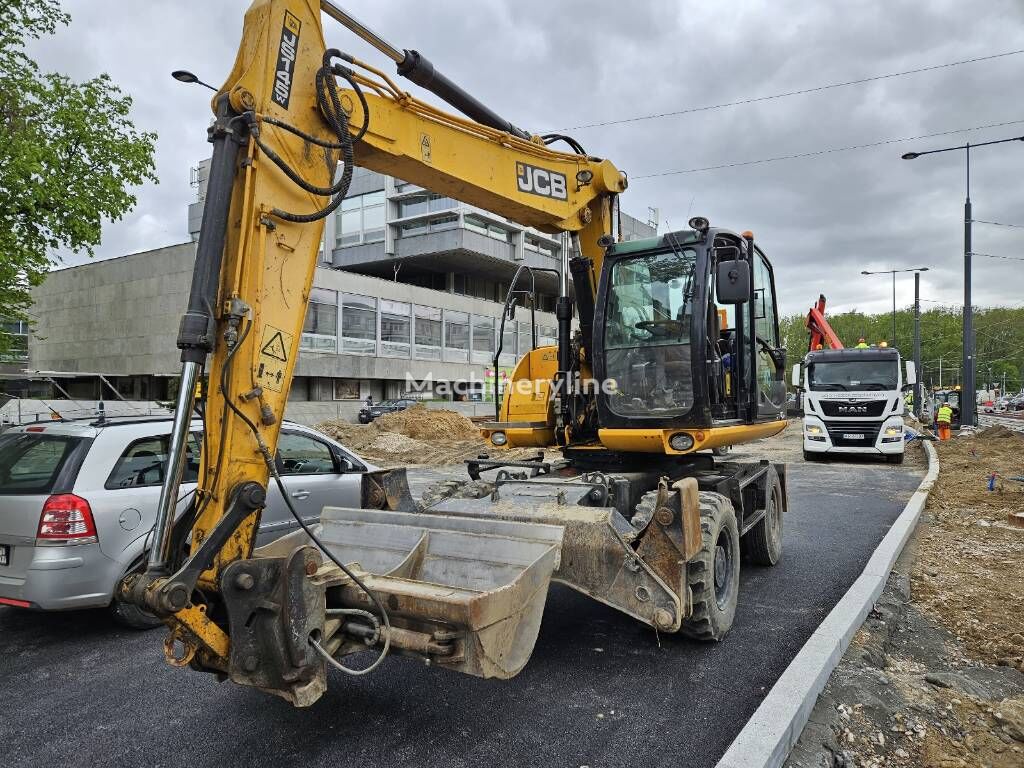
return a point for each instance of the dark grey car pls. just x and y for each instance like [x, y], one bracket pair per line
[78, 501]
[371, 412]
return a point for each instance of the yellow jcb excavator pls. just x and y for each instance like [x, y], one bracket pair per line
[674, 350]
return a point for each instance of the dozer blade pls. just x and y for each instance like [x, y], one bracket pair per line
[468, 593]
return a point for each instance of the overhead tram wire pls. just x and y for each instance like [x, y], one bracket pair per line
[786, 94]
[819, 152]
[997, 223]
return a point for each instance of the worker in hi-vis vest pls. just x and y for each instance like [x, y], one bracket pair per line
[944, 418]
[861, 344]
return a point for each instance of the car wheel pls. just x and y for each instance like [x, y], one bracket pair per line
[364, 419]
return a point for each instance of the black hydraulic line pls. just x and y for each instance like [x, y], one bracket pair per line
[418, 68]
[580, 267]
[196, 331]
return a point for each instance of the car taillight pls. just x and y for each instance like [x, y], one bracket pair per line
[66, 516]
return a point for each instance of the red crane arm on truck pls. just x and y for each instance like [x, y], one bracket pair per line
[820, 332]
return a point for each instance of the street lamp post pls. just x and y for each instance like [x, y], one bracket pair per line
[968, 404]
[893, 272]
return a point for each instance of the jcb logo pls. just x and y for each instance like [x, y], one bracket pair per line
[538, 181]
[285, 71]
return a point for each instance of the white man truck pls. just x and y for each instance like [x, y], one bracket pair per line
[853, 402]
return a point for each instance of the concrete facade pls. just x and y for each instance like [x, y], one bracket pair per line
[119, 317]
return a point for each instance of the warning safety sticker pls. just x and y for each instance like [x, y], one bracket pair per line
[273, 358]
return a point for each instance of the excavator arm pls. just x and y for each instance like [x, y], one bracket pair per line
[287, 115]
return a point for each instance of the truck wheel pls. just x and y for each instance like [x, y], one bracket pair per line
[895, 458]
[762, 544]
[812, 455]
[714, 573]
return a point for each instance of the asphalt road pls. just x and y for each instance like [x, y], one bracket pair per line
[600, 690]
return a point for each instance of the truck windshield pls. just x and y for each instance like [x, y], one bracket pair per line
[647, 334]
[853, 375]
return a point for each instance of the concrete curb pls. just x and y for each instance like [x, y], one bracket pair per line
[773, 729]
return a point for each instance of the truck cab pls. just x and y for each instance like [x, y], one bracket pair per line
[853, 402]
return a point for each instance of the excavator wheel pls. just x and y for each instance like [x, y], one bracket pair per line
[762, 544]
[714, 573]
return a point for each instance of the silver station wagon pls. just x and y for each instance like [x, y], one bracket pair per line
[78, 501]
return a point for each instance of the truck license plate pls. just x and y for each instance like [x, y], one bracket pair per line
[852, 436]
[5, 554]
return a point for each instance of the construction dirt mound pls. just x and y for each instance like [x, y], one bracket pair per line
[416, 436]
[970, 554]
[421, 423]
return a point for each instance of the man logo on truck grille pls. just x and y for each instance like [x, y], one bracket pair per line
[538, 181]
[282, 93]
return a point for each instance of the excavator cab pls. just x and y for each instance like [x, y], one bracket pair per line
[672, 349]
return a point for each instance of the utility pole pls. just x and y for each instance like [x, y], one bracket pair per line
[918, 394]
[940, 372]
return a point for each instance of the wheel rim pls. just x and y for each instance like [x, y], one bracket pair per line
[774, 513]
[724, 557]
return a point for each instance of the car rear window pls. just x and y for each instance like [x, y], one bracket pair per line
[144, 463]
[31, 463]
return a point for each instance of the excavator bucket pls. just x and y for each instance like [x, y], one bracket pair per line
[465, 583]
[469, 593]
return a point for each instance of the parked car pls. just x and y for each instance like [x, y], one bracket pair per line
[78, 502]
[368, 414]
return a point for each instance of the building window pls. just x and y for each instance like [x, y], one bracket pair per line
[546, 336]
[456, 337]
[358, 324]
[540, 245]
[428, 333]
[395, 328]
[509, 351]
[346, 389]
[360, 219]
[15, 341]
[433, 224]
[414, 206]
[483, 339]
[525, 337]
[320, 331]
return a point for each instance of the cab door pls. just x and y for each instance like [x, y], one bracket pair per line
[771, 365]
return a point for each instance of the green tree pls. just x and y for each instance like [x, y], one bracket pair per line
[999, 341]
[69, 155]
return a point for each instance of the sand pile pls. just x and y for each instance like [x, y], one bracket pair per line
[415, 436]
[422, 423]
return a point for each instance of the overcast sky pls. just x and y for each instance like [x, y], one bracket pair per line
[548, 65]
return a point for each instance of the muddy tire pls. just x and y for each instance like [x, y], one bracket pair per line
[714, 573]
[762, 544]
[131, 616]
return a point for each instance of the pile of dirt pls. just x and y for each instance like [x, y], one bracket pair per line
[421, 423]
[417, 436]
[969, 571]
